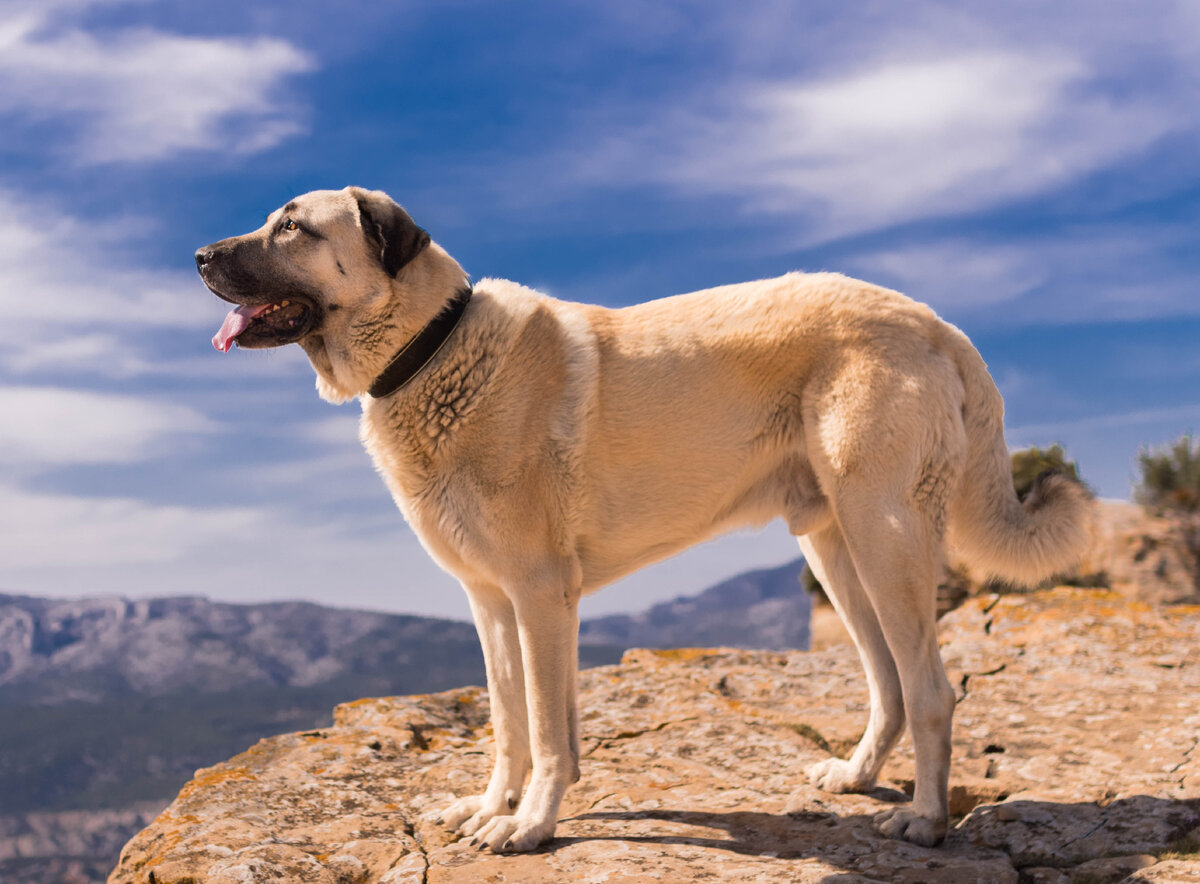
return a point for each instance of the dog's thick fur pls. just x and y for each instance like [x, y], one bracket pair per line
[552, 447]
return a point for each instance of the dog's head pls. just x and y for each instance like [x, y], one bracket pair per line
[287, 276]
[347, 274]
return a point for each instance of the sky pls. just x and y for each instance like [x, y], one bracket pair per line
[1028, 169]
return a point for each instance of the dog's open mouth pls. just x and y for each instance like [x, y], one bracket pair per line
[264, 325]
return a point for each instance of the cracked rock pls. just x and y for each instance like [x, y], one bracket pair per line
[1074, 760]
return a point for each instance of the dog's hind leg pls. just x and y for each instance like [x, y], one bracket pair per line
[826, 553]
[895, 547]
[496, 624]
[572, 710]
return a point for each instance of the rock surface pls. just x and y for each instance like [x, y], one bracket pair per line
[1075, 759]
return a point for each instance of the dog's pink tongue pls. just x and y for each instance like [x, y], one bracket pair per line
[235, 323]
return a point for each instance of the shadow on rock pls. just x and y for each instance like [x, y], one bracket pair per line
[993, 840]
[1049, 833]
[786, 835]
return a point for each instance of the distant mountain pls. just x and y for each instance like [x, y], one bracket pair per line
[54, 651]
[764, 610]
[107, 701]
[107, 705]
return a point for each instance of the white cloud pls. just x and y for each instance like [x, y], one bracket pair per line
[73, 302]
[55, 532]
[62, 544]
[57, 269]
[49, 426]
[87, 349]
[953, 273]
[1182, 414]
[336, 432]
[1114, 273]
[142, 94]
[338, 471]
[892, 141]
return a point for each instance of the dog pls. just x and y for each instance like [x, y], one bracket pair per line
[541, 449]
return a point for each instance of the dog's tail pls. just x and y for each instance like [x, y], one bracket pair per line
[1022, 541]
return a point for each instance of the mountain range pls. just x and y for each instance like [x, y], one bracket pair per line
[97, 650]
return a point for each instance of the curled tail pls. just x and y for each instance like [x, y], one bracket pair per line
[1022, 541]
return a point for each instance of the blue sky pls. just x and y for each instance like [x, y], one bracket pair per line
[1026, 168]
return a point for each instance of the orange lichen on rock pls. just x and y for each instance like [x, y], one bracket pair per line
[1075, 755]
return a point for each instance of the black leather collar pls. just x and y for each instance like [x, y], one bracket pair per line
[421, 348]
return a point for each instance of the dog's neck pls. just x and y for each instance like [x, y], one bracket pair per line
[354, 349]
[421, 348]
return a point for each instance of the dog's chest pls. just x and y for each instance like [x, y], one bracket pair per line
[411, 454]
[402, 452]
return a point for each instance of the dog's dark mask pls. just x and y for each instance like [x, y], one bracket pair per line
[274, 308]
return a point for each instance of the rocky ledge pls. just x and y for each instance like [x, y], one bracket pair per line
[1075, 759]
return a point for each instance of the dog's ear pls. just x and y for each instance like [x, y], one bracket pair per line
[389, 228]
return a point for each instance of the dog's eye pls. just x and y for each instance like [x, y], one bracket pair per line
[289, 224]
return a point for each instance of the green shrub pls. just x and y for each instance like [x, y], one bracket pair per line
[1029, 463]
[1170, 477]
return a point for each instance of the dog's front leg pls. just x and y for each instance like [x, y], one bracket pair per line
[548, 625]
[496, 623]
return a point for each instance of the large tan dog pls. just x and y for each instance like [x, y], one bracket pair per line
[542, 449]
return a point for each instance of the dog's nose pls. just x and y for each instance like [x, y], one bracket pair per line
[203, 256]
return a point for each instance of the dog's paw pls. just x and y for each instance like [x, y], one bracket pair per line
[468, 815]
[460, 811]
[907, 825]
[836, 775]
[512, 834]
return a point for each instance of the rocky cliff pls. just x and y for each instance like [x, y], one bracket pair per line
[1075, 759]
